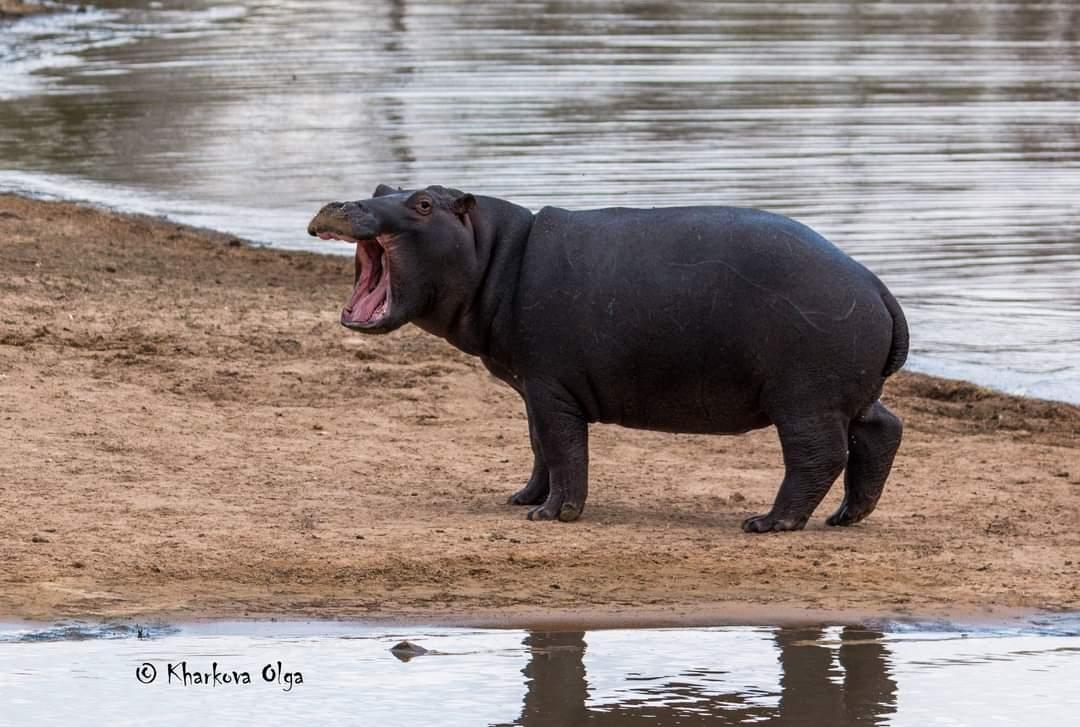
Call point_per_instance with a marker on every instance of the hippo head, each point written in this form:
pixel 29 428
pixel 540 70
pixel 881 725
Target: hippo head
pixel 413 248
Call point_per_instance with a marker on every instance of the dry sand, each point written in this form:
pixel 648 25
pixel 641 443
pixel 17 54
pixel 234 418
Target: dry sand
pixel 187 432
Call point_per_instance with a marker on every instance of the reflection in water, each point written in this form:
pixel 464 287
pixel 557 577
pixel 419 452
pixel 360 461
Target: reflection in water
pixel 937 142
pixel 848 685
pixel 906 674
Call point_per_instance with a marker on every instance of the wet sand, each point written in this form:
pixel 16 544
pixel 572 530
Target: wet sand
pixel 188 432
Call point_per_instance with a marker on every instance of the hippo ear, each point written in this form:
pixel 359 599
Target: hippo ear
pixel 463 205
pixel 384 189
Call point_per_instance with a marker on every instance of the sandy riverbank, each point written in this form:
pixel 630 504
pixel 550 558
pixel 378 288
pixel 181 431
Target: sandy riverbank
pixel 187 431
pixel 10 9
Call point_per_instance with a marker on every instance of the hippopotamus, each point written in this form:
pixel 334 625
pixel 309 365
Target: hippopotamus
pixel 707 319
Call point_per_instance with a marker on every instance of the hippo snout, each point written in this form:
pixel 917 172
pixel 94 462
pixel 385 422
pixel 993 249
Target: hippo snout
pixel 343 221
pixel 319 220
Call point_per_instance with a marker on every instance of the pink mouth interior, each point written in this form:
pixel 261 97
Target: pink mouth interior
pixel 370 297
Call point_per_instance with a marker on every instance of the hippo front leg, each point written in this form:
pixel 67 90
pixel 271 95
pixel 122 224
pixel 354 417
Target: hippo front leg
pixel 563 436
pixel 536 489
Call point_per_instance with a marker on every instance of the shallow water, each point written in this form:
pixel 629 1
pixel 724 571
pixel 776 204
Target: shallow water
pixel 888 673
pixel 936 142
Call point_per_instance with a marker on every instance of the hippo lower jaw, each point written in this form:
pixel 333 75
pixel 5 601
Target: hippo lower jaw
pixel 369 304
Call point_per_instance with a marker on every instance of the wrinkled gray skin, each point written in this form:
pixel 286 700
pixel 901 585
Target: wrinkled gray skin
pixel 711 320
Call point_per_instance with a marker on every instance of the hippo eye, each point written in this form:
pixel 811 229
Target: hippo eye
pixel 423 206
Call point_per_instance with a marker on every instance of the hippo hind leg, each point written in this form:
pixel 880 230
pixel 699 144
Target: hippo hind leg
pixel 815 452
pixel 873 438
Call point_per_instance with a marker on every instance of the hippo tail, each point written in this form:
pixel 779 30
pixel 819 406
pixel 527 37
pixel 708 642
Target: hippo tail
pixel 899 350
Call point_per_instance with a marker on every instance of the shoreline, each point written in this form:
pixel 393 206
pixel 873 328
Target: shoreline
pixel 997 381
pixel 192 435
pixel 728 615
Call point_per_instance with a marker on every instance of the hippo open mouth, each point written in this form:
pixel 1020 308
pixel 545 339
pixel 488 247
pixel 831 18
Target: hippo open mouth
pixel 369 302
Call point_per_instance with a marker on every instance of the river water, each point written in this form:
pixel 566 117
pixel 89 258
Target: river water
pixel 885 674
pixel 937 142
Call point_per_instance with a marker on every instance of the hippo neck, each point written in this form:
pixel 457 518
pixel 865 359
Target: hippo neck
pixel 480 322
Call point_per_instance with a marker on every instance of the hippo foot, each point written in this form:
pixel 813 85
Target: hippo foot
pixel 770 523
pixel 528 495
pixel 847 515
pixel 566 512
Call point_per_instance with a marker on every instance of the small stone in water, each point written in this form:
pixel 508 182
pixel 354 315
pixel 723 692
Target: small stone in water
pixel 406 650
